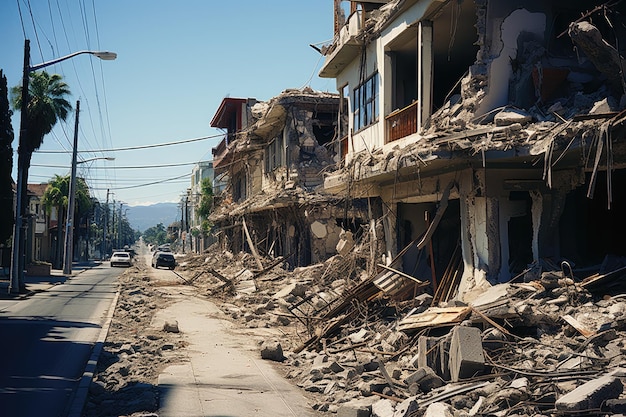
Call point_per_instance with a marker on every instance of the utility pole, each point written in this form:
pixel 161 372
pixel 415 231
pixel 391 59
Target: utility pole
pixel 69 222
pixel 186 220
pixel 104 228
pixel 113 228
pixel 17 257
pixel 119 228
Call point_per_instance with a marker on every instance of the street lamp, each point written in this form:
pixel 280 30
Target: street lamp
pixel 68 253
pixel 17 256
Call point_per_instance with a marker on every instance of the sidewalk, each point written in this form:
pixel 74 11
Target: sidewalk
pixel 224 374
pixel 36 283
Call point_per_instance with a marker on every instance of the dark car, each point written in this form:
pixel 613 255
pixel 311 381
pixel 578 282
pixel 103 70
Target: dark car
pixel 163 259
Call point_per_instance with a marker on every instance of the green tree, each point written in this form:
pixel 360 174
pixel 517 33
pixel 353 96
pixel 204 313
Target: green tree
pixel 206 204
pixel 47 104
pixel 57 195
pixel 6 164
pixel 157 235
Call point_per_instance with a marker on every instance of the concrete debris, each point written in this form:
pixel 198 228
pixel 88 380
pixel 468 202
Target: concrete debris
pixel 444 256
pixel 512 349
pixel 272 351
pixel 591 395
pixel 171 326
pixel 466 353
pixel 135 352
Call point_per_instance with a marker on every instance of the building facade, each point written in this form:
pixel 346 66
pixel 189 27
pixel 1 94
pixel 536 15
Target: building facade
pixel 489 132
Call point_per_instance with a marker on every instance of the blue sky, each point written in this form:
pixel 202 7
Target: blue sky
pixel 176 62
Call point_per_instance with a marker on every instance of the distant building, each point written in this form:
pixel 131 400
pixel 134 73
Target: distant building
pixel 194 238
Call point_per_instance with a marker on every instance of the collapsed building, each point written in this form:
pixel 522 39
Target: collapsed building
pixel 271 160
pixel 488 133
pixel 473 145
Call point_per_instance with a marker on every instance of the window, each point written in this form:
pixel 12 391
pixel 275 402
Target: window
pixel 274 154
pixel 366 103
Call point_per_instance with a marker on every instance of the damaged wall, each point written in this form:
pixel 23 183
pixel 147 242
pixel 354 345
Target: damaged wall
pixel 519 136
pixel 506 27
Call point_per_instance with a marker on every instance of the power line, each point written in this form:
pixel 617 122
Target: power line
pixel 134 148
pixel 141 185
pixel 118 167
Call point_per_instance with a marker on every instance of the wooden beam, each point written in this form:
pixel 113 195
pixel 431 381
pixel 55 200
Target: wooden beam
pixel 252 247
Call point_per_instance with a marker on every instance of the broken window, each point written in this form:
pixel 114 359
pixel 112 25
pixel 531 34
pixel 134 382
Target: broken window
pixel 437 259
pixel 239 187
pixel 588 230
pixel 520 230
pixel 454 48
pixel 365 101
pixel 274 154
pixel 342 121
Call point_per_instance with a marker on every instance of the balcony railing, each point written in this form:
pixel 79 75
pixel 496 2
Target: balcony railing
pixel 401 123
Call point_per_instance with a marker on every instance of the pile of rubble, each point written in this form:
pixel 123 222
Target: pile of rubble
pixel 134 353
pixel 552 345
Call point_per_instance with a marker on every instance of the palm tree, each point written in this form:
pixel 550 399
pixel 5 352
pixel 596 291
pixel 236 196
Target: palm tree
pixel 56 195
pixel 46 105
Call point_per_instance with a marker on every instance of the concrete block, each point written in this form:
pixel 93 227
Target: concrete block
pixel 272 351
pixel 439 410
pixel 354 410
pixel 417 375
pixel 383 408
pixel 171 326
pixel 425 378
pixel 426 355
pixel 466 353
pixel 591 394
pixel 430 382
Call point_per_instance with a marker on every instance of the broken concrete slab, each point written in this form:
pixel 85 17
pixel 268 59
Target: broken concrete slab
pixel 466 353
pixel 272 351
pixel 511 116
pixel 354 409
pixel 591 394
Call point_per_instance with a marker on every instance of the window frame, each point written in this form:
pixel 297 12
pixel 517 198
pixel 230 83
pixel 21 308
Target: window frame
pixel 366 102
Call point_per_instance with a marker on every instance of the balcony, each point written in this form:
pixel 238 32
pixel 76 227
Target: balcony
pixel 401 123
pixel 345 47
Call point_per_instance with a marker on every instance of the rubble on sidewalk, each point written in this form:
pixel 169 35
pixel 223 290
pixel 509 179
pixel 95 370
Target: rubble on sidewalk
pixel 516 349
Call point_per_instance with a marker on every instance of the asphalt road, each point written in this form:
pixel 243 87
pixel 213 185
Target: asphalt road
pixel 47 340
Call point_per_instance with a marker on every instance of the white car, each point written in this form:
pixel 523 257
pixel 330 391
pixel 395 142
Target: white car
pixel 121 259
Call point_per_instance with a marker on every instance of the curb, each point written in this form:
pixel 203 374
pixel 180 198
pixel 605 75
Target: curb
pixel 81 393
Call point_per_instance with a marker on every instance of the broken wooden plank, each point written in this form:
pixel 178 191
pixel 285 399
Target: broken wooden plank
pixel 402 274
pixel 181 277
pixel 443 204
pixel 257 258
pixel 434 317
pixel 385 374
pixel 276 262
pixel 576 325
pixel 598 280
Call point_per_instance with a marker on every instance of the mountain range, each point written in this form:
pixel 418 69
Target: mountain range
pixel 142 217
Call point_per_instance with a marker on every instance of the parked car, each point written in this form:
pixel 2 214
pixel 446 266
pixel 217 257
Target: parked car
pixel 163 259
pixel 164 248
pixel 121 259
